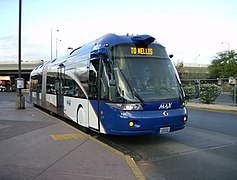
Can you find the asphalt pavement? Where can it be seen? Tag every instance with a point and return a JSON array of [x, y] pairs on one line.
[[35, 145]]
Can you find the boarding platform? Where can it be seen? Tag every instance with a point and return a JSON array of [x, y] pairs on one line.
[[36, 145]]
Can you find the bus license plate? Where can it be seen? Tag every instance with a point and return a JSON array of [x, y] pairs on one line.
[[164, 130]]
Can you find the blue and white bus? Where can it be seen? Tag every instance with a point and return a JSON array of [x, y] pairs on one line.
[[121, 85]]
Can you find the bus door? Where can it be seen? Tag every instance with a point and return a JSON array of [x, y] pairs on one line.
[[38, 91], [98, 90], [59, 90], [93, 94], [36, 84]]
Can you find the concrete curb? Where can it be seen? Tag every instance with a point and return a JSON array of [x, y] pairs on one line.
[[212, 107], [132, 164]]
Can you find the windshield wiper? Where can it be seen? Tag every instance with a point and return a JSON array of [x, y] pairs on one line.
[[134, 93], [138, 96]]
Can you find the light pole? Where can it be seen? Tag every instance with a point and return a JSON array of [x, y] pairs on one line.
[[227, 44], [20, 100], [196, 58], [57, 47], [19, 42], [52, 42]]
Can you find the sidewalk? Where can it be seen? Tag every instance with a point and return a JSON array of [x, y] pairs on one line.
[[216, 107], [35, 145]]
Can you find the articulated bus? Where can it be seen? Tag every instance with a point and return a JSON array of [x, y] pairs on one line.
[[121, 85]]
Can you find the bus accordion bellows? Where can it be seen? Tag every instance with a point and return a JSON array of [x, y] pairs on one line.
[[121, 85]]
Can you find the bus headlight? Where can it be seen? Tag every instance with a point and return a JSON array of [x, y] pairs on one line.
[[126, 107]]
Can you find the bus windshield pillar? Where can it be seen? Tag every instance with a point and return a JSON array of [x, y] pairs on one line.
[[112, 91]]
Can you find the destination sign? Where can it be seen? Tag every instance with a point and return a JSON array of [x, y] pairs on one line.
[[141, 51], [152, 50]]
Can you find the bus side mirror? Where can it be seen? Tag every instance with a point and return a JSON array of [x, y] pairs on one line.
[[171, 56], [112, 91]]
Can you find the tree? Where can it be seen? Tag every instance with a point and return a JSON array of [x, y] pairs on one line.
[[179, 68], [224, 65]]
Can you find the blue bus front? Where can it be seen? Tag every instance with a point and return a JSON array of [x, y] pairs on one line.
[[140, 91], [150, 120]]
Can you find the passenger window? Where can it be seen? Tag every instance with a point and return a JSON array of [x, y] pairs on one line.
[[105, 77], [50, 84], [71, 88], [36, 83]]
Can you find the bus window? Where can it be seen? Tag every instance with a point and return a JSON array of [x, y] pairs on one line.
[[82, 73], [36, 83], [50, 84], [105, 77], [93, 76], [71, 88]]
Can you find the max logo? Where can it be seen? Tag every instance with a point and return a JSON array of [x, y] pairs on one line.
[[165, 106]]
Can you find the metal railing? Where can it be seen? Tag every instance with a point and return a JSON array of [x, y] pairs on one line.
[[228, 95]]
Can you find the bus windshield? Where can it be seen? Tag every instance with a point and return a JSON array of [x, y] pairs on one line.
[[146, 77]]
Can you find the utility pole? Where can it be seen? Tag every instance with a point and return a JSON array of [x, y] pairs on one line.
[[51, 42], [19, 42], [196, 59], [227, 44], [20, 100]]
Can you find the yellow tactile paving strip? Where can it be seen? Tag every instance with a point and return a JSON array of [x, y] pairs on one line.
[[60, 137]]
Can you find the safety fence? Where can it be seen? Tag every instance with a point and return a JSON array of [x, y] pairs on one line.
[[213, 91]]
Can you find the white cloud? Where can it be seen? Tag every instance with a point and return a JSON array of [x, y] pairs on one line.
[[8, 48]]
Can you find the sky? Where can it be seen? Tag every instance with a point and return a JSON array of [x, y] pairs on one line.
[[193, 31]]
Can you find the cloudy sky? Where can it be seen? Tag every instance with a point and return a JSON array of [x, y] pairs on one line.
[[190, 30]]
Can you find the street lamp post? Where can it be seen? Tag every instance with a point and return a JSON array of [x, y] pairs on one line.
[[57, 46], [52, 42], [196, 58], [19, 42], [20, 100], [227, 44]]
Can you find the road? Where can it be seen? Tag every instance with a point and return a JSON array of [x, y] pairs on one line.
[[205, 149], [224, 98], [8, 96]]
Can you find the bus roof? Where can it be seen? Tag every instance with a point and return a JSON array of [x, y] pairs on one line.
[[110, 40], [94, 49], [38, 70]]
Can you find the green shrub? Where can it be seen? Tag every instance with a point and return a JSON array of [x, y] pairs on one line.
[[189, 89], [209, 93]]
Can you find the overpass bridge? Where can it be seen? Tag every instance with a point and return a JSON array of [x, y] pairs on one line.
[[10, 68]]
